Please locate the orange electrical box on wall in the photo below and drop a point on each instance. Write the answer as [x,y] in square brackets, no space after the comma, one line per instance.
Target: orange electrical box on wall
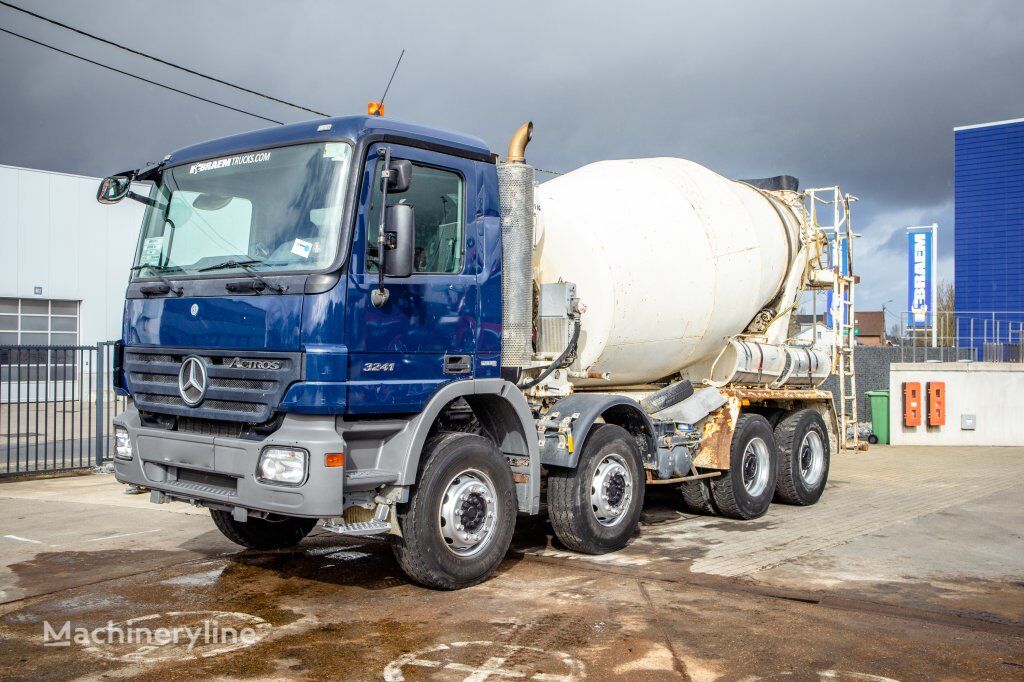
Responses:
[936,403]
[911,403]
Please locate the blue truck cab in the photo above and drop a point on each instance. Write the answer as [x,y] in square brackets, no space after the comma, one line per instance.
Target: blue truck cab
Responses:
[267,380]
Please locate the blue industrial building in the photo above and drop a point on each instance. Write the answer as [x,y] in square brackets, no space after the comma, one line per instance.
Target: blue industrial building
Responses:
[989,255]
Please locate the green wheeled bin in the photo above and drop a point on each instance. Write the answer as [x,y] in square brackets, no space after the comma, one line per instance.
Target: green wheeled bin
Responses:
[879,416]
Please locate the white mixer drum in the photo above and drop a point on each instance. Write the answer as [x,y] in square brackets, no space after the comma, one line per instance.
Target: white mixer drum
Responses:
[670,258]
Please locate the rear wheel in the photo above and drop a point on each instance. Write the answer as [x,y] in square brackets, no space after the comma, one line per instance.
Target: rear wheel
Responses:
[458,523]
[745,490]
[697,496]
[803,457]
[273,532]
[595,508]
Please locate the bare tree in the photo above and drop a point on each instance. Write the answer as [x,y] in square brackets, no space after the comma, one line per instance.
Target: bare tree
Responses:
[945,308]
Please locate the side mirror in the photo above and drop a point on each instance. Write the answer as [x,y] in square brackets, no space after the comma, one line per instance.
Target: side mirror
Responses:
[400,240]
[114,188]
[400,177]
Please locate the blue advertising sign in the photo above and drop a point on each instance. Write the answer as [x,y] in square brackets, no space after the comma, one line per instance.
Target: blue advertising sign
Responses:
[920,271]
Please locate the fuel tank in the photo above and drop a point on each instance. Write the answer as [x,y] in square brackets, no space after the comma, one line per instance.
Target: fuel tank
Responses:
[670,258]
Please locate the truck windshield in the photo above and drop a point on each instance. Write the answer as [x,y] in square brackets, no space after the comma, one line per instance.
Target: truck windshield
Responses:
[273,210]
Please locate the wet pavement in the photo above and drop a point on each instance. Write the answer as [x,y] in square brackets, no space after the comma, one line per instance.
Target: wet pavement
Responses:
[903,571]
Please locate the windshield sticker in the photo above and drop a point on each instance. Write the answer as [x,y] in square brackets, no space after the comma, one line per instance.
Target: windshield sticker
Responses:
[152,247]
[301,248]
[243,160]
[336,151]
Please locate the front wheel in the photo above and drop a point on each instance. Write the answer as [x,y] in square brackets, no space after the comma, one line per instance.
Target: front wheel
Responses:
[745,491]
[273,532]
[458,523]
[595,508]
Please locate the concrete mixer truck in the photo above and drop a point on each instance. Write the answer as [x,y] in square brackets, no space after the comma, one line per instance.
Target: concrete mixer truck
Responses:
[385,329]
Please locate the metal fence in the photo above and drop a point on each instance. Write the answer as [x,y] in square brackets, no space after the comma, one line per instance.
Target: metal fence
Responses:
[56,407]
[986,336]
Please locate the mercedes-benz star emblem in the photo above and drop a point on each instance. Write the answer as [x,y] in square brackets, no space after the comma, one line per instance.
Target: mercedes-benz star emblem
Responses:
[192,381]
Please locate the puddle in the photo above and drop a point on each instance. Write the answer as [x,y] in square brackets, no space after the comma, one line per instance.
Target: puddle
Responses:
[195,579]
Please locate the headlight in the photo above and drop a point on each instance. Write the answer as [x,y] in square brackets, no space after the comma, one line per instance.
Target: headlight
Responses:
[122,443]
[286,466]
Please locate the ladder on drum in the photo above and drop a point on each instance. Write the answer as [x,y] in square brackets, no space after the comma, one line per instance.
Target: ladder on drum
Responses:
[838,235]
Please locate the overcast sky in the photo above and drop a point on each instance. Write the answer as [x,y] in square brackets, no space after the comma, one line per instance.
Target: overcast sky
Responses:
[863,94]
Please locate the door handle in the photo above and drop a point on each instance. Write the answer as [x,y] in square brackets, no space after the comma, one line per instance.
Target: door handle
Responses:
[457,364]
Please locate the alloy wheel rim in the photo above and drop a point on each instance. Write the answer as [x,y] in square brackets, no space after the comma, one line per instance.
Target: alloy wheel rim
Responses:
[611,490]
[755,467]
[812,458]
[468,513]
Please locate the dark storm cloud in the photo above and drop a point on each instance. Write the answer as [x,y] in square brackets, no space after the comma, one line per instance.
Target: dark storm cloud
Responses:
[864,94]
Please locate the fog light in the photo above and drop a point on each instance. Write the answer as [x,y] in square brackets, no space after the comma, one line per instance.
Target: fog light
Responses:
[284,466]
[123,444]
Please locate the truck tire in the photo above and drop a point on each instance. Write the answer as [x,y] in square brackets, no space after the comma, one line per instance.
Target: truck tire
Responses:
[745,491]
[803,457]
[276,532]
[458,523]
[595,508]
[697,496]
[667,397]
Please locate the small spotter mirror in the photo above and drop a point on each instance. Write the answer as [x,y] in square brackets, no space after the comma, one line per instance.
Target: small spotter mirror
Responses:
[114,188]
[400,176]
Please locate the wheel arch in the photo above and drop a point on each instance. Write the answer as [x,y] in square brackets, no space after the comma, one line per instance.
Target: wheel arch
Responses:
[506,417]
[583,410]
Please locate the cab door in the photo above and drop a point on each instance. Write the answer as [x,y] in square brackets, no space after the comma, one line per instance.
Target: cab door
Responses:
[425,335]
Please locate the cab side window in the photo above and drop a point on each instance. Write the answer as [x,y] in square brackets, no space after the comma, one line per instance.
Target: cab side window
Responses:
[436,196]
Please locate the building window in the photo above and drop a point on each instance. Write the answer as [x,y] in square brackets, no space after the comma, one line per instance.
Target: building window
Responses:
[38,322]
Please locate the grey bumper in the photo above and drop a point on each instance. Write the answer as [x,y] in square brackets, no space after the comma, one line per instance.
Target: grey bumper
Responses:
[222,471]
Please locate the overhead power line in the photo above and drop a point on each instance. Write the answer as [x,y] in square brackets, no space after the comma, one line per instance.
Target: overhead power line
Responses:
[140,78]
[162,61]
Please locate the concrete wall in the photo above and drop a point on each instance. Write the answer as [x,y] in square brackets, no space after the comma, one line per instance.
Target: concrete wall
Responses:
[54,235]
[991,391]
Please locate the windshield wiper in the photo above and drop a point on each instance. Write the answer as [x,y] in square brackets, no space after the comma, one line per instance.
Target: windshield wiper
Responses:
[246,267]
[171,286]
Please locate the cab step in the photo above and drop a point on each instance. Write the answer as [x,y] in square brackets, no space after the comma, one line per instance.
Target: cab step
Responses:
[360,522]
[358,528]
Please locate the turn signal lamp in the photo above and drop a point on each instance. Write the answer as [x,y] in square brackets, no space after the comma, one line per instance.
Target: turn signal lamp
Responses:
[334,459]
[375,109]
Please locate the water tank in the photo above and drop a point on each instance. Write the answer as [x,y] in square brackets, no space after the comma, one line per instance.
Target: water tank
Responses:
[670,258]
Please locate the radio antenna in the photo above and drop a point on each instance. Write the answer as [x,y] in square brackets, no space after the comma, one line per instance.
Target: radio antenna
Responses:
[388,87]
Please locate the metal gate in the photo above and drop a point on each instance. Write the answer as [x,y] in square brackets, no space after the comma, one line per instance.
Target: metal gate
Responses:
[57,404]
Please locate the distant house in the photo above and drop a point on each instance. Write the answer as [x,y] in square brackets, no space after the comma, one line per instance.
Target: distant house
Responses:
[819,334]
[870,328]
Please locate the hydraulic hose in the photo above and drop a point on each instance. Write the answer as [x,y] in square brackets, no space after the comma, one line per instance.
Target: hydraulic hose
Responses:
[557,361]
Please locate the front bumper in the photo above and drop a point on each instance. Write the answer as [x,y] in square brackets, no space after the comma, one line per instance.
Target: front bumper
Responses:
[221,472]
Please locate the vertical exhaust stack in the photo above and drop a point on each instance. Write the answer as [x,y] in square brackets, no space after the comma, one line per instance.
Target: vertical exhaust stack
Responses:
[515,188]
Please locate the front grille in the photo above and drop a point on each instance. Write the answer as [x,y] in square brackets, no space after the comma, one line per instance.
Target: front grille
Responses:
[215,382]
[248,384]
[232,405]
[209,427]
[233,394]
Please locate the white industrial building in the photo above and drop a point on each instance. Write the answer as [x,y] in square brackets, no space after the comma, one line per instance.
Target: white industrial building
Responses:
[64,258]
